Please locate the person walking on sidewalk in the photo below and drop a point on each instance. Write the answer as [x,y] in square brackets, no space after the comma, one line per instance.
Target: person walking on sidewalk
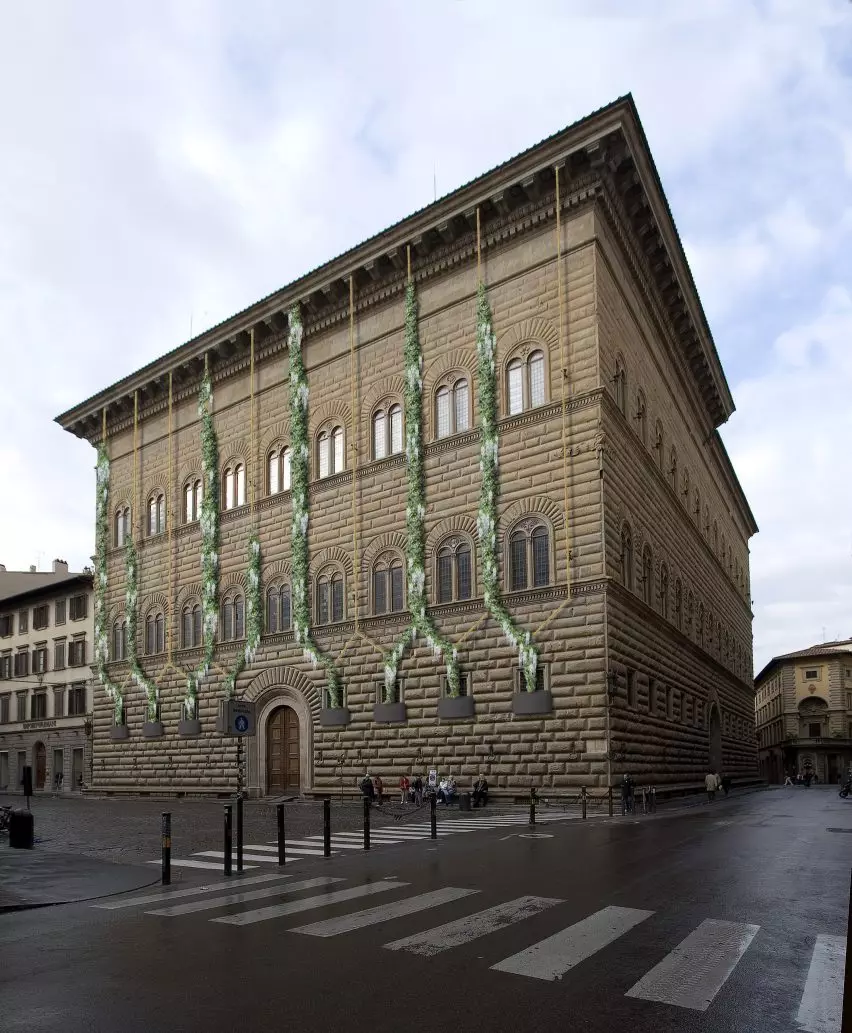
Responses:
[711,785]
[403,789]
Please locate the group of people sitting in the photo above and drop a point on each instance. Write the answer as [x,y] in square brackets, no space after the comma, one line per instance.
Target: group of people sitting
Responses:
[411,790]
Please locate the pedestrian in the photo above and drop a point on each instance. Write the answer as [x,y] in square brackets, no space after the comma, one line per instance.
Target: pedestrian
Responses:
[726,784]
[377,781]
[710,785]
[627,799]
[788,781]
[367,788]
[403,789]
[418,791]
[480,791]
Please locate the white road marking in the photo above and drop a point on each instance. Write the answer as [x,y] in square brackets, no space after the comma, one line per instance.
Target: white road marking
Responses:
[180,862]
[241,898]
[463,930]
[695,971]
[293,848]
[822,1001]
[170,892]
[553,957]
[293,907]
[263,858]
[384,912]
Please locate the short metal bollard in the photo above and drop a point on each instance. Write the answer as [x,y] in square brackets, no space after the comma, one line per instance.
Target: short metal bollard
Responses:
[583,801]
[280,812]
[654,799]
[644,802]
[228,839]
[239,831]
[610,801]
[166,875]
[366,823]
[433,816]
[326,828]
[532,805]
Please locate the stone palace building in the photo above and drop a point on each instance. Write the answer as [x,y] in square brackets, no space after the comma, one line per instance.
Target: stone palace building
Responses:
[454,500]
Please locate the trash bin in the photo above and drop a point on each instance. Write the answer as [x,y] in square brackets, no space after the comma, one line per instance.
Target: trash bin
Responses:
[21,829]
[464,802]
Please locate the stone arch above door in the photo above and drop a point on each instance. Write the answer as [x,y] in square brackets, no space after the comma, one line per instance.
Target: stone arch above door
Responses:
[274,688]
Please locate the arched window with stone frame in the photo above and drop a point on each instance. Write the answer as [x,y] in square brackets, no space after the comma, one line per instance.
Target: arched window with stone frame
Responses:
[234,485]
[678,604]
[156,513]
[330,596]
[526,380]
[452,404]
[707,522]
[696,508]
[454,570]
[278,469]
[530,562]
[119,639]
[647,575]
[331,457]
[620,384]
[279,608]
[673,467]
[684,489]
[193,494]
[626,556]
[387,430]
[155,633]
[387,584]
[641,416]
[190,625]
[233,616]
[659,445]
[121,526]
[664,590]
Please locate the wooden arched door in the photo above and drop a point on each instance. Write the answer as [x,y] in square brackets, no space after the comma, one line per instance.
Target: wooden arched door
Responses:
[282,751]
[40,759]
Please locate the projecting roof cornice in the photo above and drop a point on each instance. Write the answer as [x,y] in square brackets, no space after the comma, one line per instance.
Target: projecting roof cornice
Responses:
[608,147]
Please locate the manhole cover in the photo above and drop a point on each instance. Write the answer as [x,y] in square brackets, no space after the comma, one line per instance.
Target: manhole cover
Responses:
[839,830]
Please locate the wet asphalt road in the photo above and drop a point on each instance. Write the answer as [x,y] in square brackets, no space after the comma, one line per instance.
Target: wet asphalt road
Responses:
[766,860]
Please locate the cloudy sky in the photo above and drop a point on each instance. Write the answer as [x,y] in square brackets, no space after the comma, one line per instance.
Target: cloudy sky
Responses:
[166,164]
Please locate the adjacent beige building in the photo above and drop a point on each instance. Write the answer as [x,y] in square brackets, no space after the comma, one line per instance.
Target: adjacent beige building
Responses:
[45,677]
[620,530]
[803,710]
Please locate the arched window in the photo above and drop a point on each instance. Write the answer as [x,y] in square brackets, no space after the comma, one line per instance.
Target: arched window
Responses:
[641,416]
[664,590]
[330,452]
[379,435]
[525,383]
[234,486]
[330,609]
[387,432]
[452,408]
[278,609]
[122,526]
[724,551]
[685,488]
[700,627]
[119,639]
[647,575]
[690,612]
[673,467]
[233,617]
[454,575]
[707,521]
[156,513]
[388,592]
[658,443]
[278,470]
[155,628]
[461,405]
[529,556]
[696,508]
[678,604]
[626,556]
[620,382]
[191,626]
[192,495]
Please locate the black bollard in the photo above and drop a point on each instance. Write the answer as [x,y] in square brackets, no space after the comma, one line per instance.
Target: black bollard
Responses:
[366,823]
[227,839]
[654,799]
[326,828]
[610,801]
[532,805]
[583,801]
[167,849]
[239,831]
[433,816]
[280,810]
[644,802]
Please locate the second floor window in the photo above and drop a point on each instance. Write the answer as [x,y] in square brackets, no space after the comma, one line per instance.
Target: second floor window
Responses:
[5,667]
[330,452]
[76,700]
[157,513]
[278,470]
[40,660]
[191,626]
[122,526]
[387,432]
[525,383]
[79,607]
[388,594]
[647,576]
[119,640]
[626,557]
[77,652]
[41,617]
[233,618]
[330,598]
[452,409]
[6,625]
[278,609]
[155,634]
[38,706]
[193,493]
[529,558]
[234,486]
[22,664]
[455,572]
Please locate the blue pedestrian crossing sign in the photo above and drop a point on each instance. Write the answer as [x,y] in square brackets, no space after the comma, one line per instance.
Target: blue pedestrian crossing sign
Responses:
[239,717]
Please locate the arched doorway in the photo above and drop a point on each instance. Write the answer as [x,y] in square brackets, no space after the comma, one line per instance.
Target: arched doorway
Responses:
[40,765]
[715,739]
[282,751]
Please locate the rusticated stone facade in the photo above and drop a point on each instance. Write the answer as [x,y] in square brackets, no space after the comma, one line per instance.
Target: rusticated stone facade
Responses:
[603,298]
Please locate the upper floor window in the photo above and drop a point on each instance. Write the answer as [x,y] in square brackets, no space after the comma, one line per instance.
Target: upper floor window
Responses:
[79,607]
[278,473]
[387,431]
[119,640]
[77,652]
[673,468]
[234,485]
[330,452]
[707,521]
[620,382]
[330,598]
[41,617]
[233,617]
[690,612]
[525,382]
[191,626]
[685,488]
[455,571]
[59,611]
[155,634]
[696,508]
[715,538]
[664,591]
[157,513]
[658,443]
[452,408]
[642,416]
[6,625]
[193,493]
[647,575]
[724,550]
[529,556]
[278,609]
[678,604]
[626,557]
[121,526]
[40,660]
[23,622]
[388,591]
[700,627]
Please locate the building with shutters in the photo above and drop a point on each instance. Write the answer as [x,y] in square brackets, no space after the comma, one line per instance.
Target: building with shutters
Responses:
[46,628]
[455,499]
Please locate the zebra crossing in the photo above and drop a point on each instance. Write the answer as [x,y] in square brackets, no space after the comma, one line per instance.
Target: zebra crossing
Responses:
[257,854]
[690,976]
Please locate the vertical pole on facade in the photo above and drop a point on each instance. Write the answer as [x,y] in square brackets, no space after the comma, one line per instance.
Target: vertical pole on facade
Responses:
[433,817]
[532,805]
[326,828]
[227,850]
[280,810]
[167,849]
[610,801]
[239,831]
[366,823]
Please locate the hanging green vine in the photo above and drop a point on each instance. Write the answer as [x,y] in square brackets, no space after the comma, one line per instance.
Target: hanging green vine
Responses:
[131,602]
[414,516]
[254,615]
[102,532]
[486,521]
[209,520]
[299,495]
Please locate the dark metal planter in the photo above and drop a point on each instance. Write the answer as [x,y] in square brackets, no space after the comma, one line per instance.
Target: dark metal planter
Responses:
[526,704]
[456,708]
[390,713]
[335,717]
[189,726]
[152,729]
[119,732]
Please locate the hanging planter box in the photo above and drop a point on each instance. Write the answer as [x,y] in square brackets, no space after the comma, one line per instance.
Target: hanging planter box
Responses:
[390,713]
[152,729]
[335,717]
[456,708]
[525,704]
[189,726]
[119,732]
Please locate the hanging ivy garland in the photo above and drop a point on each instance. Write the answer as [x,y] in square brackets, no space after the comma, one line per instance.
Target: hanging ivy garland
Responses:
[414,516]
[209,520]
[299,495]
[486,521]
[131,602]
[254,613]
[102,530]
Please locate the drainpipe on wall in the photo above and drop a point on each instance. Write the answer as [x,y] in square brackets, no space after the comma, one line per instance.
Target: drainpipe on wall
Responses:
[607,698]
